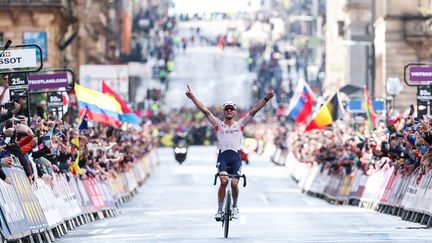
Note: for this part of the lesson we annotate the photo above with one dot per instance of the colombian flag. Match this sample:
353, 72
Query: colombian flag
98, 107
327, 114
128, 116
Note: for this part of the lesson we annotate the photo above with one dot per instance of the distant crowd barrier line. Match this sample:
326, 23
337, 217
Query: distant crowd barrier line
408, 196
41, 213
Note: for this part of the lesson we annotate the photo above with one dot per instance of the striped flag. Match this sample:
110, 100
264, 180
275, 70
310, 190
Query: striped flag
302, 103
128, 115
327, 114
369, 110
98, 107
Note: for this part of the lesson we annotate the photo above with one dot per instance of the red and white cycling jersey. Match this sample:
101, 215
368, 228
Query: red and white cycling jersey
229, 137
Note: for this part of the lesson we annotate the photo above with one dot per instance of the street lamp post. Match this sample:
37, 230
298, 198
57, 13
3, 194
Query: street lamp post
394, 88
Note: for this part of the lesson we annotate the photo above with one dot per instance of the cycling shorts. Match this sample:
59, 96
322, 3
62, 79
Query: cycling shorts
229, 161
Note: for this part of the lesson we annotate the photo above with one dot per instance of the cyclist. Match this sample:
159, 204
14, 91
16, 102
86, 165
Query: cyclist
229, 136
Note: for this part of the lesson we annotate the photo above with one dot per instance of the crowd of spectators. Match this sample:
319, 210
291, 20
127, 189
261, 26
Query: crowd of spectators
402, 142
44, 147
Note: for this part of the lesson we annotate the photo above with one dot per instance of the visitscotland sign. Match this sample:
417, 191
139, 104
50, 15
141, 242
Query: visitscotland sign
421, 74
23, 58
47, 81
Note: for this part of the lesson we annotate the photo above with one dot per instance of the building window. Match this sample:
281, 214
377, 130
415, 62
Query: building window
341, 28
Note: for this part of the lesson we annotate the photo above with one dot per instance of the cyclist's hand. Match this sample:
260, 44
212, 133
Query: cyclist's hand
189, 92
270, 94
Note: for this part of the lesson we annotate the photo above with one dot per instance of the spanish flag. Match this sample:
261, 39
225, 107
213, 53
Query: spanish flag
98, 107
327, 114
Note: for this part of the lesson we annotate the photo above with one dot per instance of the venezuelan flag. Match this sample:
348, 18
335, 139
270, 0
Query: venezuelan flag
128, 115
98, 107
327, 114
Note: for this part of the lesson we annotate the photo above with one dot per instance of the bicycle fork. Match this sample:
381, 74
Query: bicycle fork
227, 208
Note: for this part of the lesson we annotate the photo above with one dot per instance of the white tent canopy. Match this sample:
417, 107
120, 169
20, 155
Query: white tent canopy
255, 35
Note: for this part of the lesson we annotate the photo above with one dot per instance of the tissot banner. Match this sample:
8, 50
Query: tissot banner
23, 58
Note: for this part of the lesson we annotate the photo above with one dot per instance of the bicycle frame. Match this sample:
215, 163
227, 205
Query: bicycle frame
227, 203
228, 199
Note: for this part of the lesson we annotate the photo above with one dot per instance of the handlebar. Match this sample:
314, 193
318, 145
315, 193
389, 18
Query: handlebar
231, 176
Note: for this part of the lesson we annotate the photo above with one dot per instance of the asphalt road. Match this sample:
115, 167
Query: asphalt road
214, 76
178, 202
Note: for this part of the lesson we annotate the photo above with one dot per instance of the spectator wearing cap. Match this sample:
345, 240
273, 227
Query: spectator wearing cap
20, 144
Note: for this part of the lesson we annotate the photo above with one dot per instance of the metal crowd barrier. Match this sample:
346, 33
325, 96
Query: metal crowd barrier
385, 190
41, 212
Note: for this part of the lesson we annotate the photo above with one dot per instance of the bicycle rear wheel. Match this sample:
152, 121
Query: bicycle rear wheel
227, 214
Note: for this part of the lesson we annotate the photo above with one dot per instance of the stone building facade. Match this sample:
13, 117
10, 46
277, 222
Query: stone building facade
18, 18
334, 48
348, 44
401, 36
76, 32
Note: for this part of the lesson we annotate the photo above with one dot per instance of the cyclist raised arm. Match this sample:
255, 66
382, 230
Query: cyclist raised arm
197, 103
229, 136
261, 103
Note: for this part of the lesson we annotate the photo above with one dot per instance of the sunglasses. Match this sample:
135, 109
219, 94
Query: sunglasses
229, 109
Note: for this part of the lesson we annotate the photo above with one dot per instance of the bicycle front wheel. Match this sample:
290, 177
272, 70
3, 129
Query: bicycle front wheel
227, 214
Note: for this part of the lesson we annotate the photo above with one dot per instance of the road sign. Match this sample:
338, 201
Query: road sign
20, 59
18, 85
23, 58
47, 81
55, 104
418, 74
424, 93
55, 100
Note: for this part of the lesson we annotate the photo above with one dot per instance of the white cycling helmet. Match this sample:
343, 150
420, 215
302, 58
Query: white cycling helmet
229, 103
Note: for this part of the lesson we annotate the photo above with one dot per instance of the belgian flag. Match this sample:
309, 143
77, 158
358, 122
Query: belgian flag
327, 114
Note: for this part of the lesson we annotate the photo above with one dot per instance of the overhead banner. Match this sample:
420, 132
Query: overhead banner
47, 81
116, 76
23, 58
